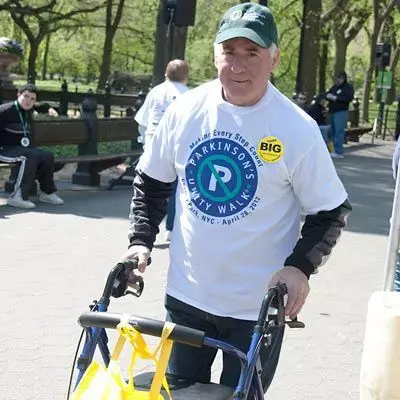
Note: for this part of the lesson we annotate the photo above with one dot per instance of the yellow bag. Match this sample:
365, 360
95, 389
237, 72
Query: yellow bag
100, 383
331, 147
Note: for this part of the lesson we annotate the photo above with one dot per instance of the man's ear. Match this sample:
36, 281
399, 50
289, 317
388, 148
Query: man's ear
276, 59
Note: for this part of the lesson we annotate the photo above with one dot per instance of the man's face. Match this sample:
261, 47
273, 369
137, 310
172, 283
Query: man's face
301, 99
26, 100
339, 80
244, 69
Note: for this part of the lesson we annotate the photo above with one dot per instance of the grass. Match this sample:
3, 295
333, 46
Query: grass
55, 85
391, 117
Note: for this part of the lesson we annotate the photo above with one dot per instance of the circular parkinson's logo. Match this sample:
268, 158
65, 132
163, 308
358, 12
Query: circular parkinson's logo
222, 177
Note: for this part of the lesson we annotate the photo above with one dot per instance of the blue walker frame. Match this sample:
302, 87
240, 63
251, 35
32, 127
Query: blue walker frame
96, 336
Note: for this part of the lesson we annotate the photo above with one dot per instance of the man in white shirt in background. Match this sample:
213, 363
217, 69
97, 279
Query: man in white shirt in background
154, 107
161, 96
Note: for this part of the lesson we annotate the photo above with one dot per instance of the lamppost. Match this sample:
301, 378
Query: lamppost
382, 60
299, 82
171, 6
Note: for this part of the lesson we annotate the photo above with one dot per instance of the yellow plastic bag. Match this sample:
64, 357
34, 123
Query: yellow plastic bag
331, 147
100, 383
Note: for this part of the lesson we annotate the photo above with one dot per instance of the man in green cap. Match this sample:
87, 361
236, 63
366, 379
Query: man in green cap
247, 161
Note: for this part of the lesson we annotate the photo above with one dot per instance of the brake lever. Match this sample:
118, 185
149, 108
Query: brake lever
135, 287
295, 323
120, 285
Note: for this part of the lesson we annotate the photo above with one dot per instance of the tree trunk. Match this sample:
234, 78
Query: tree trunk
310, 47
46, 57
33, 53
368, 79
323, 62
161, 47
179, 44
340, 51
111, 29
106, 62
379, 19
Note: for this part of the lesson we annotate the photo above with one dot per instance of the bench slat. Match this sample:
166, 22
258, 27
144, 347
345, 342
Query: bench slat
86, 158
97, 157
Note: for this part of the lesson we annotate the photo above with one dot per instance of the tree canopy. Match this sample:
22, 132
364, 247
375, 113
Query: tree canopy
93, 38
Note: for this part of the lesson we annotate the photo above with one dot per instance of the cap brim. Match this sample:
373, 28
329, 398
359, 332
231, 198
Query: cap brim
245, 33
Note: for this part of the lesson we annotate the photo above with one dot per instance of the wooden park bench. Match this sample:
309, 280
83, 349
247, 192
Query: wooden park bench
353, 133
86, 133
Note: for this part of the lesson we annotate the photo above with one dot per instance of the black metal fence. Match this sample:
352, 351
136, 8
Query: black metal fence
390, 121
65, 100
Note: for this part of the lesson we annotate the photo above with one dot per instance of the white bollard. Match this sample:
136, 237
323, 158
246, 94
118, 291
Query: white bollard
380, 367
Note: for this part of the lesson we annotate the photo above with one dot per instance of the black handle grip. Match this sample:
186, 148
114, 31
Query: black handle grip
280, 288
120, 281
274, 297
181, 334
130, 265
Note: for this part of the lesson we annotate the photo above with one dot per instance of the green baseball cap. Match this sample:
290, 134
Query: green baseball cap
251, 21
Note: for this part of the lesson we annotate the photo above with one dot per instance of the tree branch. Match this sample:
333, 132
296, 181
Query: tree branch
19, 20
329, 14
16, 7
134, 57
118, 15
353, 31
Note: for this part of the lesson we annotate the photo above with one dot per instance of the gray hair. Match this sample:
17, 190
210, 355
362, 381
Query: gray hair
272, 49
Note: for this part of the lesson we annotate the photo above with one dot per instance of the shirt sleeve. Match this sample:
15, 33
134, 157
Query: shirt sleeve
3, 117
142, 115
346, 95
315, 181
156, 111
158, 160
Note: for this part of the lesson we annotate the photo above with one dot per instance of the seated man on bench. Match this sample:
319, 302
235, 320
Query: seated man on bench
16, 147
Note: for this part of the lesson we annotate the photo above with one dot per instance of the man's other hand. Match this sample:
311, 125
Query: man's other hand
141, 253
297, 288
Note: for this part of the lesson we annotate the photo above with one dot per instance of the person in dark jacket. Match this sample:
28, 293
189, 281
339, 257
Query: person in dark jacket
16, 147
317, 111
247, 161
339, 96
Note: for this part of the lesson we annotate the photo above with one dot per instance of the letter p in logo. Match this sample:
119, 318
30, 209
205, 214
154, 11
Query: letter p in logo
223, 175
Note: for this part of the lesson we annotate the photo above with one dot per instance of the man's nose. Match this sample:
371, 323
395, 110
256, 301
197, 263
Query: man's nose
238, 65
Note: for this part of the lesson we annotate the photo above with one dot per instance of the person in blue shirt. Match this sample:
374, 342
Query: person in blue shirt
317, 111
339, 97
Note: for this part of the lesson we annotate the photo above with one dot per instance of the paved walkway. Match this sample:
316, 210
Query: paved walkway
54, 261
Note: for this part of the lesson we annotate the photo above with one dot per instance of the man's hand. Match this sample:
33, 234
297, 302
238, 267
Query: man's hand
297, 287
331, 96
142, 253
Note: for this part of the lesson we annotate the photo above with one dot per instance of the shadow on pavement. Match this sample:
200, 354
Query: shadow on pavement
369, 183
95, 204
365, 172
359, 147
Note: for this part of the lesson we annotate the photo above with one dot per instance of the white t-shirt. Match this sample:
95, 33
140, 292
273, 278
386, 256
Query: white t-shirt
155, 105
244, 175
